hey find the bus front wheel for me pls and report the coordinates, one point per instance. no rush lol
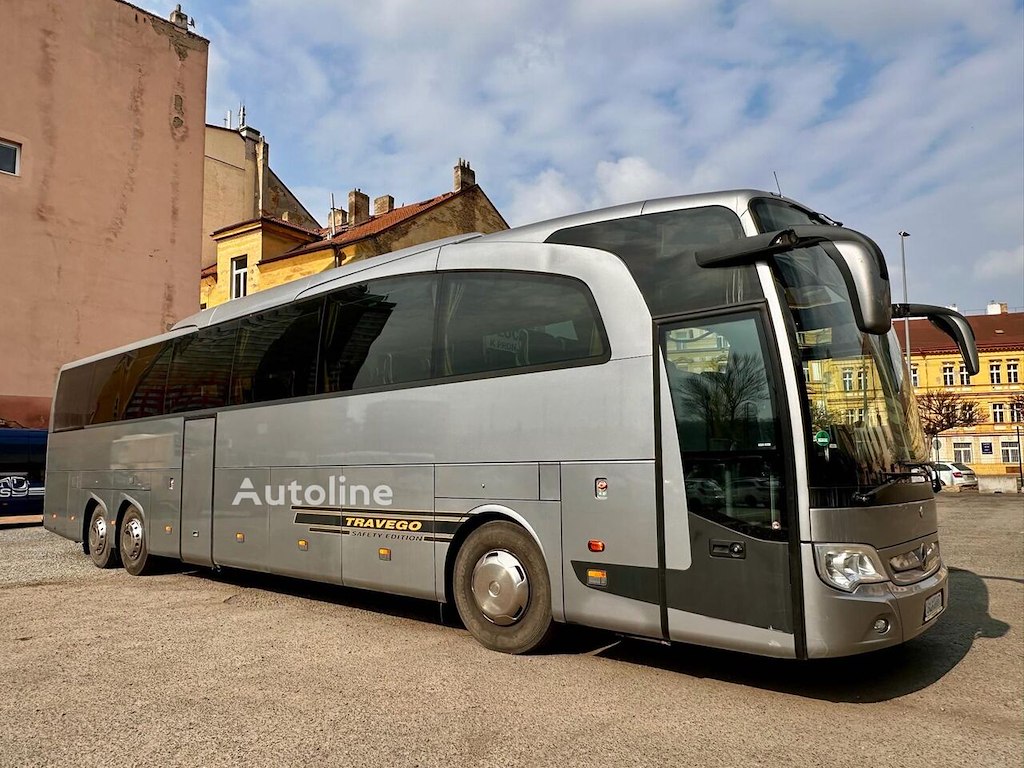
(101, 540)
(501, 588)
(134, 551)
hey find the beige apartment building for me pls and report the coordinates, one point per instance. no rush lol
(266, 250)
(102, 131)
(239, 185)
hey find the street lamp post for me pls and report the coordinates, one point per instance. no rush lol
(906, 320)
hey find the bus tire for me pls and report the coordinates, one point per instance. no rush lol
(102, 546)
(134, 550)
(501, 588)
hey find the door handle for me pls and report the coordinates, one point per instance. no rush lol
(735, 550)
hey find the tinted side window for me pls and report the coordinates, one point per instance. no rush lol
(72, 407)
(107, 388)
(146, 380)
(774, 215)
(504, 321)
(379, 333)
(658, 249)
(201, 369)
(276, 354)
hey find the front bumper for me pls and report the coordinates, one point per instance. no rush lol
(843, 623)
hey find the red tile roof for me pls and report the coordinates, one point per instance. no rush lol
(372, 226)
(376, 224)
(994, 333)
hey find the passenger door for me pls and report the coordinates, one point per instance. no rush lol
(197, 491)
(719, 402)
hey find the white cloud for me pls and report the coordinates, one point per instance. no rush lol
(546, 196)
(1002, 265)
(886, 115)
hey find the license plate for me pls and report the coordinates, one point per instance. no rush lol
(932, 607)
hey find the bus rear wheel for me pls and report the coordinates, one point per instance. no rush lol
(501, 588)
(134, 551)
(101, 540)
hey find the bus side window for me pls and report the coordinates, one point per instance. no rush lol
(276, 354)
(500, 321)
(379, 333)
(200, 369)
(146, 380)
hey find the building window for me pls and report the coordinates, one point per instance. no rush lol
(965, 379)
(1017, 411)
(239, 276)
(1011, 372)
(847, 379)
(854, 416)
(1011, 451)
(997, 412)
(947, 374)
(913, 376)
(995, 373)
(10, 157)
(962, 453)
(862, 379)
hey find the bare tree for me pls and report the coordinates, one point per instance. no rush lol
(946, 410)
(823, 417)
(726, 402)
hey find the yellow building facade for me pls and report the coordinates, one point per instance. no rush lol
(266, 252)
(993, 447)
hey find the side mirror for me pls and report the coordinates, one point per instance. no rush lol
(858, 258)
(951, 323)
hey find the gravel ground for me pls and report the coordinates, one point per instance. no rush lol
(194, 669)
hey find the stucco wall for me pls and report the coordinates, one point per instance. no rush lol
(101, 228)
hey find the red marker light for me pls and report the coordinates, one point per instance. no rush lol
(595, 545)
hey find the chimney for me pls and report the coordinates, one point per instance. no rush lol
(337, 218)
(358, 207)
(997, 308)
(383, 204)
(464, 175)
(179, 18)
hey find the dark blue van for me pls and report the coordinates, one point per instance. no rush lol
(22, 471)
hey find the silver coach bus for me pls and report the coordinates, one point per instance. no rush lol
(684, 419)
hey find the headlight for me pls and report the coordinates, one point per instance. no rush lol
(846, 566)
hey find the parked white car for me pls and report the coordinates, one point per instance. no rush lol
(956, 474)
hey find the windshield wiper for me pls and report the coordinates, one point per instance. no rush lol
(897, 478)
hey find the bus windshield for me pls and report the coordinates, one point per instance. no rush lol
(865, 434)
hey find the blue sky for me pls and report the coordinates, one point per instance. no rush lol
(886, 115)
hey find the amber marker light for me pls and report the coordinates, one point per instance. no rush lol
(384, 553)
(168, 529)
(239, 536)
(597, 577)
(595, 545)
(303, 545)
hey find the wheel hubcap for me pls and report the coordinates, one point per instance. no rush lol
(131, 539)
(98, 534)
(500, 587)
